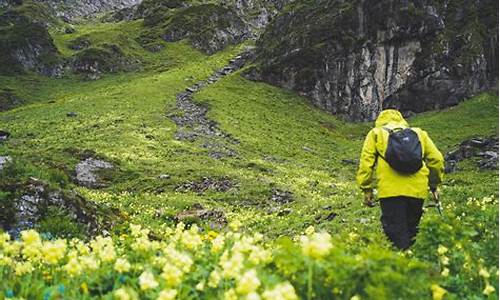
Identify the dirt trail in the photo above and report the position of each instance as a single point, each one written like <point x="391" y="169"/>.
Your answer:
<point x="191" y="118"/>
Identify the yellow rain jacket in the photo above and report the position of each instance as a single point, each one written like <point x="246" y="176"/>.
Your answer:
<point x="390" y="183"/>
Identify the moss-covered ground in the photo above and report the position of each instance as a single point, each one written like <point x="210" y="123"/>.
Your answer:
<point x="285" y="144"/>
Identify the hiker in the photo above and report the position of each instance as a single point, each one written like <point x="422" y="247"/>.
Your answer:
<point x="407" y="164"/>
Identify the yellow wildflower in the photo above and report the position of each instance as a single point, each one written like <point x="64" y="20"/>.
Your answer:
<point x="235" y="225"/>
<point x="180" y="259"/>
<point x="231" y="267"/>
<point x="30" y="237"/>
<point x="167" y="294"/>
<point x="5" y="260"/>
<point x="248" y="283"/>
<point x="135" y="230"/>
<point x="252" y="296"/>
<point x="122" y="265"/>
<point x="121" y="294"/>
<point x="442" y="250"/>
<point x="142" y="244"/>
<point x="214" y="279"/>
<point x="89" y="262"/>
<point x="191" y="239"/>
<point x="212" y="235"/>
<point x="200" y="286"/>
<point x="282" y="291"/>
<point x="52" y="252"/>
<point x="73" y="267"/>
<point x="309" y="230"/>
<point x="317" y="245"/>
<point x="172" y="275"/>
<point x="230" y="295"/>
<point x="23" y="268"/>
<point x="84" y="287"/>
<point x="437" y="292"/>
<point x="82" y="248"/>
<point x="147" y="281"/>
<point x="445" y="272"/>
<point x="488" y="289"/>
<point x="484" y="273"/>
<point x="4" y="238"/>
<point x="12" y="249"/>
<point x="259" y="255"/>
<point x="218" y="244"/>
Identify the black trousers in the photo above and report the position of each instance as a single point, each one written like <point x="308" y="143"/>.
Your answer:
<point x="400" y="219"/>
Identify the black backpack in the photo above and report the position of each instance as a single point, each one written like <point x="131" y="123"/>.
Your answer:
<point x="404" y="150"/>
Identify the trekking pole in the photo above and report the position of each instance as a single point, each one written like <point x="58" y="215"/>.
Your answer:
<point x="436" y="203"/>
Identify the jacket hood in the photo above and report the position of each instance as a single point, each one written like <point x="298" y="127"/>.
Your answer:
<point x="390" y="116"/>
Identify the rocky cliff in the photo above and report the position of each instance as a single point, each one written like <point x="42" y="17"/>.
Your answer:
<point x="25" y="43"/>
<point x="354" y="58"/>
<point x="71" y="9"/>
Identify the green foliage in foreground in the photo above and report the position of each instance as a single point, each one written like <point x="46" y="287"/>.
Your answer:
<point x="284" y="143"/>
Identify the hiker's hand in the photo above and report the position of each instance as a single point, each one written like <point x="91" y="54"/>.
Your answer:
<point x="369" y="200"/>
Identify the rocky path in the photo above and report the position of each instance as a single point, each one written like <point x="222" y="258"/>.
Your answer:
<point x="191" y="118"/>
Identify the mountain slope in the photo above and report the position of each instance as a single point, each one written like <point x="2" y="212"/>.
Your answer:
<point x="293" y="166"/>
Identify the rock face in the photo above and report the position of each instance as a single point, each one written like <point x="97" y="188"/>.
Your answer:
<point x="71" y="9"/>
<point x="256" y="13"/>
<point x="209" y="27"/>
<point x="25" y="43"/>
<point x="354" y="58"/>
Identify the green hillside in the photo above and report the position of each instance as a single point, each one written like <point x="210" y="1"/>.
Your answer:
<point x="292" y="166"/>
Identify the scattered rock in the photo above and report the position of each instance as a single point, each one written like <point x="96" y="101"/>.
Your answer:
<point x="350" y="161"/>
<point x="281" y="197"/>
<point x="219" y="150"/>
<point x="284" y="212"/>
<point x="485" y="149"/>
<point x="363" y="221"/>
<point x="69" y="30"/>
<point x="4" y="135"/>
<point x="72" y="114"/>
<point x="8" y="99"/>
<point x="37" y="197"/>
<point x="206" y="183"/>
<point x="80" y="43"/>
<point x="197" y="214"/>
<point x="4" y="160"/>
<point x="164" y="176"/>
<point x="330" y="216"/>
<point x="86" y="172"/>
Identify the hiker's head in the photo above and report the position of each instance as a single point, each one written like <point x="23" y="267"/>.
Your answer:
<point x="390" y="116"/>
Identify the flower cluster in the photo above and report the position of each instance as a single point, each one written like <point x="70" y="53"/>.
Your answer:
<point x="145" y="268"/>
